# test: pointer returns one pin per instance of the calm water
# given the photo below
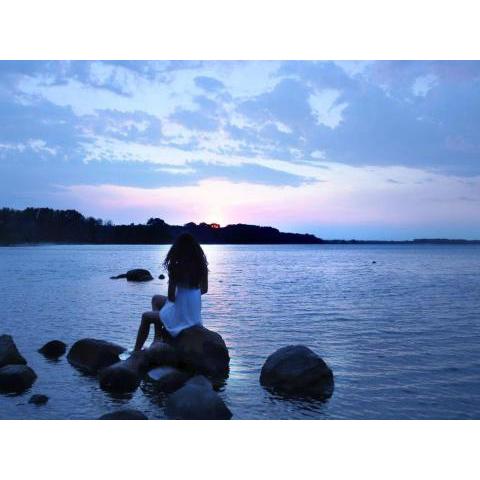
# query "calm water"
(401, 335)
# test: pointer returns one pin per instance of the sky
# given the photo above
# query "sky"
(351, 149)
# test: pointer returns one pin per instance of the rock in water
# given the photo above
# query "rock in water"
(53, 349)
(126, 414)
(162, 353)
(135, 275)
(197, 400)
(139, 275)
(16, 378)
(38, 399)
(161, 276)
(202, 351)
(299, 371)
(9, 354)
(166, 379)
(91, 355)
(124, 376)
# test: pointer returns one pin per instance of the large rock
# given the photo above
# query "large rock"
(91, 355)
(166, 379)
(162, 353)
(136, 275)
(197, 400)
(16, 378)
(53, 349)
(202, 351)
(296, 370)
(9, 354)
(126, 414)
(124, 376)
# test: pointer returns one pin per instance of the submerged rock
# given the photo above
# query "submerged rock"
(297, 370)
(16, 378)
(9, 354)
(197, 400)
(136, 275)
(125, 414)
(91, 355)
(38, 399)
(53, 349)
(166, 379)
(202, 351)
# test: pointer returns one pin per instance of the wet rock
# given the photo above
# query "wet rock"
(161, 276)
(202, 351)
(16, 378)
(166, 379)
(91, 355)
(53, 349)
(136, 275)
(125, 414)
(124, 376)
(297, 370)
(38, 399)
(9, 354)
(197, 400)
(162, 353)
(374, 261)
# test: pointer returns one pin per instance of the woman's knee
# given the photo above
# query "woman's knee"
(158, 301)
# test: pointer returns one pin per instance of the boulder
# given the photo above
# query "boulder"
(166, 379)
(202, 351)
(16, 378)
(296, 370)
(90, 355)
(38, 399)
(53, 349)
(136, 275)
(125, 414)
(162, 353)
(124, 376)
(9, 354)
(197, 400)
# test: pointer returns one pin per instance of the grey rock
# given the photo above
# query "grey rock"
(166, 379)
(202, 351)
(125, 414)
(161, 276)
(162, 353)
(16, 378)
(135, 275)
(297, 370)
(197, 400)
(91, 355)
(124, 376)
(9, 354)
(53, 349)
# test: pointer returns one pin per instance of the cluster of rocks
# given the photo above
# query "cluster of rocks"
(188, 369)
(15, 375)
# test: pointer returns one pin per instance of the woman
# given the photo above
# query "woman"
(187, 268)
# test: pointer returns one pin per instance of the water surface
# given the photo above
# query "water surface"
(402, 335)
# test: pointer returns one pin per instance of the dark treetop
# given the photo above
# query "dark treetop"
(45, 225)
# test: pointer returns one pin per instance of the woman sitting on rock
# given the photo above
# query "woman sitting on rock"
(187, 268)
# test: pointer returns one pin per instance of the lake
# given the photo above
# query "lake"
(401, 335)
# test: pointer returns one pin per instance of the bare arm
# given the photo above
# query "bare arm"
(171, 291)
(204, 284)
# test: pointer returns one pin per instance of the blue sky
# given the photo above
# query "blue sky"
(340, 149)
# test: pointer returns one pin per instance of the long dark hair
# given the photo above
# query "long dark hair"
(186, 262)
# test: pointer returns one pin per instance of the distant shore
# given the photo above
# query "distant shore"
(39, 226)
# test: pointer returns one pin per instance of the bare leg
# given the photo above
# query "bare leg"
(144, 329)
(158, 301)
